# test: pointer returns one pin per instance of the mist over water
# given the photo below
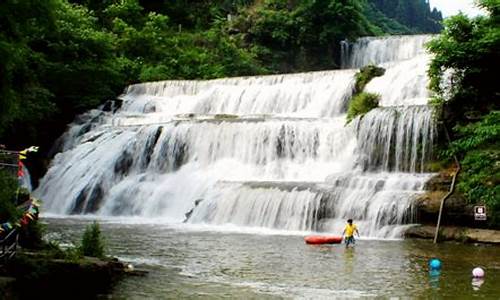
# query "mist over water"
(267, 151)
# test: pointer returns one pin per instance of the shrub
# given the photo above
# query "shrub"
(92, 241)
(54, 251)
(361, 104)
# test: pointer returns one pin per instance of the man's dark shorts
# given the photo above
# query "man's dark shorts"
(349, 240)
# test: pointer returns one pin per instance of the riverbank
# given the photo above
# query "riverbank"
(32, 274)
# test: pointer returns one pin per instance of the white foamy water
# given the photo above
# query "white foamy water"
(315, 94)
(270, 152)
(378, 50)
(398, 88)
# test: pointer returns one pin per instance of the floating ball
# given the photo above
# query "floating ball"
(434, 264)
(478, 272)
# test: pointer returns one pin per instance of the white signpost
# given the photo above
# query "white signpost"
(480, 213)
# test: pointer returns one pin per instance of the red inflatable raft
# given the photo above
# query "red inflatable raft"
(323, 239)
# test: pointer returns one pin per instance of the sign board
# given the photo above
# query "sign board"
(480, 213)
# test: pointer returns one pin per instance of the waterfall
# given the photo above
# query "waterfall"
(378, 50)
(264, 151)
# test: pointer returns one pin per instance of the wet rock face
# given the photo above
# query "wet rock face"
(89, 200)
(79, 202)
(123, 163)
(190, 212)
(440, 182)
(149, 148)
(456, 211)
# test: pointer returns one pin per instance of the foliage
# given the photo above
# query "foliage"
(479, 145)
(383, 24)
(485, 133)
(54, 250)
(366, 74)
(300, 35)
(92, 241)
(57, 63)
(463, 72)
(463, 77)
(480, 180)
(416, 15)
(361, 104)
(30, 236)
(8, 187)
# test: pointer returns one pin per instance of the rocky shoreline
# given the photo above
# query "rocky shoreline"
(32, 274)
(453, 233)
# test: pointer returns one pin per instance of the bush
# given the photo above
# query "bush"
(361, 104)
(54, 251)
(92, 241)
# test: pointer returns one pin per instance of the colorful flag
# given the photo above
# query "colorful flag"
(20, 172)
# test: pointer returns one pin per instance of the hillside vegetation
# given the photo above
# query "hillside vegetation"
(464, 79)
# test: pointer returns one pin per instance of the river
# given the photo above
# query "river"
(210, 262)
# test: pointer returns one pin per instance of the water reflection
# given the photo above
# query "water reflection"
(434, 276)
(348, 260)
(477, 283)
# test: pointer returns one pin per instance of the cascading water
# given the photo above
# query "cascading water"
(378, 50)
(268, 151)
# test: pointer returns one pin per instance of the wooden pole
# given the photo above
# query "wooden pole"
(451, 190)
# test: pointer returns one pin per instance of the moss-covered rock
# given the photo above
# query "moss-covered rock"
(361, 104)
(366, 74)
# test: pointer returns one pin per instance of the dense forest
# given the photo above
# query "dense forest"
(417, 16)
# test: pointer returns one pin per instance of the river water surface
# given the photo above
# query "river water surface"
(222, 262)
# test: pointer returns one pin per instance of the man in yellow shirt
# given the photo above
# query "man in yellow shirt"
(349, 233)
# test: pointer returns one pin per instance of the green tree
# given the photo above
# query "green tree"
(57, 63)
(415, 15)
(93, 243)
(469, 51)
(301, 35)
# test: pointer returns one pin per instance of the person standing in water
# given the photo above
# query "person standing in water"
(349, 233)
